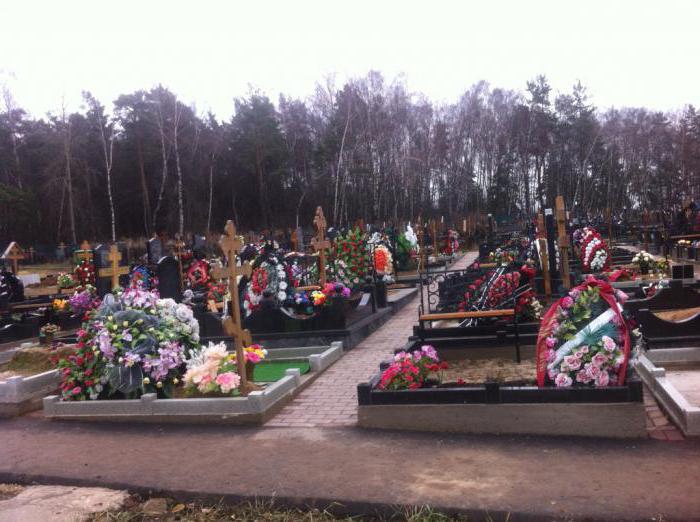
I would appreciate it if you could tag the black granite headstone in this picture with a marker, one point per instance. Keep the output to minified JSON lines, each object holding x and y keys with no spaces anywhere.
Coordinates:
{"x":101,"y":260}
{"x":155,"y":250}
{"x":169,"y":282}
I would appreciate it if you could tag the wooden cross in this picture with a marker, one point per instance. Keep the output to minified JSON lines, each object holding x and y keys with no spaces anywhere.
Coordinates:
{"x":433,"y":231}
{"x":563,"y":242}
{"x":115,"y":270}
{"x":294,"y":241}
{"x":320,"y":244}
{"x":231,"y":245}
{"x":14,"y":253}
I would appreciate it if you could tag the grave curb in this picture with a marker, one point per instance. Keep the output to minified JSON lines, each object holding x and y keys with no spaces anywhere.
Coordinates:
{"x":256,"y":408}
{"x":20,"y":395}
{"x":684,"y":415}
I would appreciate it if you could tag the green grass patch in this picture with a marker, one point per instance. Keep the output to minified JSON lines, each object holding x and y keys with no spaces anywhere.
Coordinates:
{"x":271,"y":371}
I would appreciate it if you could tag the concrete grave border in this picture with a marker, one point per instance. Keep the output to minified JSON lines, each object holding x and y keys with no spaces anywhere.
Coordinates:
{"x":648,"y":366}
{"x":20,"y":395}
{"x":256,"y":408}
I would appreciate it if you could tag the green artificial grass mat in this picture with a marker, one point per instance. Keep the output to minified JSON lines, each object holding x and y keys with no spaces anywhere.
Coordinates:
{"x":271,"y":371}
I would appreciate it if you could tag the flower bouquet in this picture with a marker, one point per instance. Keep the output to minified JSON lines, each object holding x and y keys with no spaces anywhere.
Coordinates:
{"x":411,"y":370}
{"x":584,"y":339}
{"x":134,"y":343}
{"x":349,"y":260}
{"x":213,"y":370}
{"x":48,"y":332}
{"x":84,"y":273}
{"x":65,"y":281}
{"x":83,"y":301}
{"x":594,"y":251}
{"x":644,"y":261}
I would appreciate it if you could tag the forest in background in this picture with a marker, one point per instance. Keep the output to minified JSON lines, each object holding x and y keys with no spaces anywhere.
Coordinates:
{"x":367,"y":149}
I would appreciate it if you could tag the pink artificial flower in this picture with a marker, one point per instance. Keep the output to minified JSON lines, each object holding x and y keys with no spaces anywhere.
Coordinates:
{"x":573,"y":362}
{"x":582,"y":376}
{"x":552,"y":373}
{"x":575,"y":293}
{"x":563,"y":380}
{"x":593,"y":370}
{"x":584,"y":349}
{"x":599,"y":359}
{"x":551,"y":354}
{"x":228,"y":381}
{"x":603,"y":379}
{"x":579,"y":354}
{"x":608,"y":343}
{"x":551,"y":342}
{"x":621,"y":296}
{"x":252,"y":357}
{"x":567,"y":302}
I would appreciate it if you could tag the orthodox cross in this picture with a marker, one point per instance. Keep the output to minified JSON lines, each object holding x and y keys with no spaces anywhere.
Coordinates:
{"x":115,"y":270}
{"x":563,"y":242}
{"x":85,"y":251}
{"x":231,"y":245}
{"x":320,"y":244}
{"x":14,"y":253}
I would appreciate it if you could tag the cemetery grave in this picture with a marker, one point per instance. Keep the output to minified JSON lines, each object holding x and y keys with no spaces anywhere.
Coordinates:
{"x":413,"y":391}
{"x":139,"y":358}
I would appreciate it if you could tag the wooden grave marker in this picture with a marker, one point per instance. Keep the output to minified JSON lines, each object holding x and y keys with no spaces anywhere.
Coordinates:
{"x":563,"y":240}
{"x":14,"y":253}
{"x":320,"y":244}
{"x":114,"y":271}
{"x":231,"y":245}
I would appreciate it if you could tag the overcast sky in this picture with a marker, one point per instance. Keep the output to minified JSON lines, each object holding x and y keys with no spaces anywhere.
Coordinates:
{"x":628,"y":53}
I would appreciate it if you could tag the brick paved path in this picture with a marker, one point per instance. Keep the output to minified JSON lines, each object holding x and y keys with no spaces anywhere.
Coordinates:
{"x":331,"y":400}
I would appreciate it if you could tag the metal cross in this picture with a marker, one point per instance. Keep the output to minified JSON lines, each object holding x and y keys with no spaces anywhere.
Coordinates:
{"x":231,"y":246}
{"x":320,"y":244}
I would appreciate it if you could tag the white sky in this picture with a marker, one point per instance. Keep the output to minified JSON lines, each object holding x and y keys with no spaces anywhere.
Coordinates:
{"x":628,"y":53}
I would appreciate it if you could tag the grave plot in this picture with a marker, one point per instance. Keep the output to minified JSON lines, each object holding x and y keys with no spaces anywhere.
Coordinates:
{"x":338,"y":293}
{"x":139,"y":358}
{"x":27,"y":375}
{"x":479,"y":307}
{"x":576,"y":381}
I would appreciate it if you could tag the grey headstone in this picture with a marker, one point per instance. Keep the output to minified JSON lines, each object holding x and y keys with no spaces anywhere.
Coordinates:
{"x":155,"y":250}
{"x":169,"y":278}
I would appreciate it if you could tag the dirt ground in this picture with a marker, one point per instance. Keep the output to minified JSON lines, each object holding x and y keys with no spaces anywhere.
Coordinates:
{"x":479,"y":371}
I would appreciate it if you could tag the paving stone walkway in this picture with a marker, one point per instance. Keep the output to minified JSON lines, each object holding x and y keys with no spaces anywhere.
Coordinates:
{"x":331,"y":400}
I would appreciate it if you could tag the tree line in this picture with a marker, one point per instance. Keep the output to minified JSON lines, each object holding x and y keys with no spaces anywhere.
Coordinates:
{"x":366,"y":149}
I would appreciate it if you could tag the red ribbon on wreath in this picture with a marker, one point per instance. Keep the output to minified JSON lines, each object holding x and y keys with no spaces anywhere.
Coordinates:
{"x":607,"y":293}
{"x":198,"y":273}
